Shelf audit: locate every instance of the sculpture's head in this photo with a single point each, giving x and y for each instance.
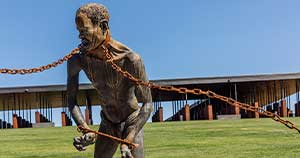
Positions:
(92, 24)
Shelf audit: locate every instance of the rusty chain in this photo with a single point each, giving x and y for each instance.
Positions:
(208, 93)
(124, 141)
(41, 68)
(109, 59)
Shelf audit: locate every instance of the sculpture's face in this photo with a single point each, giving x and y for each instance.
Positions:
(91, 35)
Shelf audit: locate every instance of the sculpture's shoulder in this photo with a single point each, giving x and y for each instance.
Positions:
(75, 58)
(122, 51)
(74, 64)
(133, 57)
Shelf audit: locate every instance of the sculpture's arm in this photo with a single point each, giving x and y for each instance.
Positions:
(80, 142)
(73, 69)
(143, 95)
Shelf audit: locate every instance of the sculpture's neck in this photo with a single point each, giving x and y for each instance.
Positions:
(116, 49)
(99, 52)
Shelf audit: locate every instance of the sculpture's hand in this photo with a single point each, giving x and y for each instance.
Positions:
(125, 151)
(81, 142)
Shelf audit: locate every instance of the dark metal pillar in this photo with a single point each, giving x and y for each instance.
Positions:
(172, 102)
(4, 118)
(1, 121)
(237, 109)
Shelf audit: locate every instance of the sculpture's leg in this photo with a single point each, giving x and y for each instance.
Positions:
(105, 147)
(139, 139)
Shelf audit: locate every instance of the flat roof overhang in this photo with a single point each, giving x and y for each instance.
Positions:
(264, 86)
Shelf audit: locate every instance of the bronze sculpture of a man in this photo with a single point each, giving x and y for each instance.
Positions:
(121, 115)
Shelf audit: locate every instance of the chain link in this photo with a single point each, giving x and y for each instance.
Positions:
(41, 68)
(208, 93)
(124, 141)
(108, 57)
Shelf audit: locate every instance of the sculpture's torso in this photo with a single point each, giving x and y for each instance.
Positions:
(116, 92)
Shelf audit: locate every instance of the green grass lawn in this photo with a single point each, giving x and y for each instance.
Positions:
(251, 138)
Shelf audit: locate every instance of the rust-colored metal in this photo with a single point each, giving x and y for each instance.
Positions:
(109, 59)
(186, 114)
(236, 110)
(124, 141)
(15, 121)
(283, 109)
(63, 119)
(160, 114)
(87, 116)
(256, 114)
(209, 111)
(210, 94)
(41, 68)
(37, 117)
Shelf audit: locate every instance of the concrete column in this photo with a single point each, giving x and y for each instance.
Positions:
(15, 121)
(283, 109)
(37, 117)
(256, 115)
(186, 113)
(209, 112)
(63, 119)
(160, 114)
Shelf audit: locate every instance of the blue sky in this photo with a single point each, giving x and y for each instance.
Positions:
(176, 39)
